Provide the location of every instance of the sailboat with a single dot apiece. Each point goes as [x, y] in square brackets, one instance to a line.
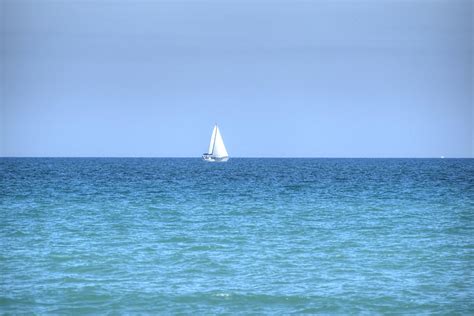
[216, 151]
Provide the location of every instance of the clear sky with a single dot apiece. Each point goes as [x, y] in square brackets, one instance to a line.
[281, 78]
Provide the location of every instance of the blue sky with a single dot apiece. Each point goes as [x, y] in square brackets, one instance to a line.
[282, 78]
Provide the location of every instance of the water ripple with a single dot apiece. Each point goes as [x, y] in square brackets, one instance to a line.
[258, 236]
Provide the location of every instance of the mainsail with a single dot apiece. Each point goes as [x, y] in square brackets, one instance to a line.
[213, 139]
[218, 149]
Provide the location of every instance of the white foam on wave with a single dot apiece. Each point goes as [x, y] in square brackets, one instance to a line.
[222, 295]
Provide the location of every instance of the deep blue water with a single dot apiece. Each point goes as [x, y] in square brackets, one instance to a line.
[272, 236]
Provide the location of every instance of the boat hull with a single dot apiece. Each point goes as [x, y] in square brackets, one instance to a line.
[214, 159]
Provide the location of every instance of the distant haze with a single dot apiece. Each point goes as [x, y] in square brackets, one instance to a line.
[281, 78]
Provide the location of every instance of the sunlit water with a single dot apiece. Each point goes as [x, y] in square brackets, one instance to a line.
[272, 236]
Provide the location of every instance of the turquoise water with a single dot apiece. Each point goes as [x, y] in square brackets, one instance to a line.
[271, 236]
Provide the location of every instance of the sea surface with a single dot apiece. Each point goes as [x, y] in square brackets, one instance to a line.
[250, 236]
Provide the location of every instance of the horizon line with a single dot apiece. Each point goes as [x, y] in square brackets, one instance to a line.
[238, 157]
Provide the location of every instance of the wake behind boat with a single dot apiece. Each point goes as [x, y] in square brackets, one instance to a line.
[216, 151]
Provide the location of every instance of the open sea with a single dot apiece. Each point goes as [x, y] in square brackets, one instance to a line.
[250, 236]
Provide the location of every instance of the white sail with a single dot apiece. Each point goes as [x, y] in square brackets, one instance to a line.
[213, 139]
[219, 147]
[217, 151]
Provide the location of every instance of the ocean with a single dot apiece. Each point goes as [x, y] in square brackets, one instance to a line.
[250, 236]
